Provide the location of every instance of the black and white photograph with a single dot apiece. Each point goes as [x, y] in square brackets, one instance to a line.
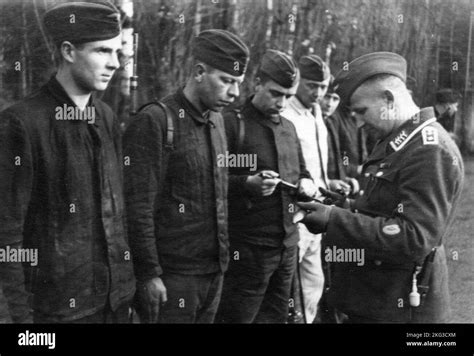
[295, 168]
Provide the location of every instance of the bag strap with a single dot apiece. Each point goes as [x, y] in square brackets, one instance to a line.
[169, 145]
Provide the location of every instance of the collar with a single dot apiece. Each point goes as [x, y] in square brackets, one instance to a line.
[57, 91]
[411, 128]
[260, 116]
[398, 139]
[201, 118]
[296, 104]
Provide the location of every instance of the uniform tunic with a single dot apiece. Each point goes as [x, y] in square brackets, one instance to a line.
[406, 209]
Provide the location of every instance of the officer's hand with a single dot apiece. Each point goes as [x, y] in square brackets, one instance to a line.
[335, 198]
[354, 184]
[337, 184]
[156, 295]
[306, 189]
[263, 183]
[317, 216]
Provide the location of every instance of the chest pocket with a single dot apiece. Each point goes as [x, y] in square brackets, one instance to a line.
[382, 190]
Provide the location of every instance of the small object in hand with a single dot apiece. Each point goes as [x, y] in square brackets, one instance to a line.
[265, 176]
[285, 183]
[299, 215]
[339, 196]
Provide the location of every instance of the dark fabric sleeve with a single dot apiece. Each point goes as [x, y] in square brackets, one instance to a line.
[429, 186]
[335, 166]
[143, 176]
[12, 280]
[16, 181]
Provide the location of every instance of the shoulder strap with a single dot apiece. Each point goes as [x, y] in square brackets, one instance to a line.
[241, 125]
[169, 145]
[169, 125]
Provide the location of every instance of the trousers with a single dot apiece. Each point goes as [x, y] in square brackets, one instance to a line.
[257, 284]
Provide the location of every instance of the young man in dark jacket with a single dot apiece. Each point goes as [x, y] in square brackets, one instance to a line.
[177, 197]
[262, 236]
[61, 182]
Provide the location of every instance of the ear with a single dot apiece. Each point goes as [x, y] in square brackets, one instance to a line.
[198, 71]
[67, 51]
[389, 98]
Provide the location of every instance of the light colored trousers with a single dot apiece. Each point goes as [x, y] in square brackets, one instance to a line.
[311, 271]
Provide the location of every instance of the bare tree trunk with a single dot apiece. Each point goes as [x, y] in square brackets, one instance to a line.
[198, 17]
[292, 31]
[235, 15]
[25, 53]
[268, 33]
[43, 34]
[468, 107]
[438, 42]
[451, 49]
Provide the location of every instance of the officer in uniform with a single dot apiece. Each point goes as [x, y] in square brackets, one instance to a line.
[177, 196]
[61, 181]
[402, 218]
[262, 236]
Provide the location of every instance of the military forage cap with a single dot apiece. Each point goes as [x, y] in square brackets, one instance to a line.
[365, 67]
[280, 67]
[313, 67]
[81, 22]
[222, 50]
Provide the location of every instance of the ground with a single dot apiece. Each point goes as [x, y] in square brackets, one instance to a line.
[460, 251]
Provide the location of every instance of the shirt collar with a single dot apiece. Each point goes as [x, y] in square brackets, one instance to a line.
[260, 116]
[296, 104]
[202, 118]
[57, 91]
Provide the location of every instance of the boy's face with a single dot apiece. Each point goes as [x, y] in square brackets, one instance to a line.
[94, 63]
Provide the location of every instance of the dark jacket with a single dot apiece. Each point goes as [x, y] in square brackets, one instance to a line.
[447, 120]
[407, 208]
[176, 200]
[61, 188]
[347, 145]
[264, 220]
